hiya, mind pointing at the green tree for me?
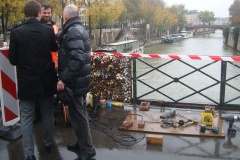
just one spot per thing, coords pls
(122, 18)
(234, 11)
(105, 12)
(206, 17)
(180, 12)
(87, 11)
(157, 15)
(11, 13)
(133, 13)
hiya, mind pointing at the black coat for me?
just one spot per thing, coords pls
(74, 58)
(30, 49)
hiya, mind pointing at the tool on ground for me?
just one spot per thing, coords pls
(214, 129)
(166, 123)
(189, 122)
(207, 119)
(231, 119)
(185, 121)
(181, 122)
(170, 114)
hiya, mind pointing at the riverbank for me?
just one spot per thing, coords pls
(152, 43)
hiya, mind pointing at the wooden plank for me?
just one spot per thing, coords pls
(153, 125)
(154, 139)
(127, 124)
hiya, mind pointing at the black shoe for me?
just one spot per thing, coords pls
(87, 154)
(48, 148)
(32, 157)
(73, 146)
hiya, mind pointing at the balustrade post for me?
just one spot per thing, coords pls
(134, 80)
(223, 84)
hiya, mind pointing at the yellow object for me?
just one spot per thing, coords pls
(117, 104)
(91, 100)
(207, 119)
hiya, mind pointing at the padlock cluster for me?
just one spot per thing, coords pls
(111, 76)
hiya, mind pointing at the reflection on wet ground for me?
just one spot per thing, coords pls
(111, 143)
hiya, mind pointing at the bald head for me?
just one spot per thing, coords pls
(71, 11)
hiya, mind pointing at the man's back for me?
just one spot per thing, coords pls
(34, 42)
(30, 48)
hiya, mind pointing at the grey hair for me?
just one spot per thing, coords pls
(71, 10)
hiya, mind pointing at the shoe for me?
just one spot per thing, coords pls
(32, 157)
(48, 148)
(87, 154)
(73, 146)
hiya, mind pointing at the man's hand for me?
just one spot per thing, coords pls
(60, 85)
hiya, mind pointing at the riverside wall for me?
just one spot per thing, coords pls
(231, 40)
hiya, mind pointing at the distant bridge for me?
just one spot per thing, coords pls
(196, 27)
(209, 29)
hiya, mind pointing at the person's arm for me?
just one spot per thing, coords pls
(54, 44)
(13, 49)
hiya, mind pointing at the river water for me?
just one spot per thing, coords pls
(207, 45)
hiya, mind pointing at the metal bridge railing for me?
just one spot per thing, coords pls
(187, 83)
(184, 80)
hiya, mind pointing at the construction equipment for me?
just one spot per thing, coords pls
(187, 122)
(170, 114)
(207, 119)
(203, 128)
(166, 123)
(231, 119)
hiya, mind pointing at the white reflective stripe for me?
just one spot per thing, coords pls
(7, 68)
(10, 102)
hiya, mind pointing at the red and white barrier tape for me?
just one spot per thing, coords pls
(182, 57)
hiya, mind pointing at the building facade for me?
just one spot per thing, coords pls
(192, 18)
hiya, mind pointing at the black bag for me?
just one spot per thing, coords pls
(65, 96)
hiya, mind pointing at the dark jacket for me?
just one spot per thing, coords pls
(74, 58)
(30, 49)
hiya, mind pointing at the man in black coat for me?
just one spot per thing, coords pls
(74, 68)
(30, 49)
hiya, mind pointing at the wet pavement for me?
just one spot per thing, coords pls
(111, 143)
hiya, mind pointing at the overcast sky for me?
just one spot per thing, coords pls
(219, 7)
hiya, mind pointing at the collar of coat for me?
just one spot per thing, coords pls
(68, 24)
(31, 20)
(27, 21)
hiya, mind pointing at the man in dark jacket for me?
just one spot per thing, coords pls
(30, 49)
(74, 68)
